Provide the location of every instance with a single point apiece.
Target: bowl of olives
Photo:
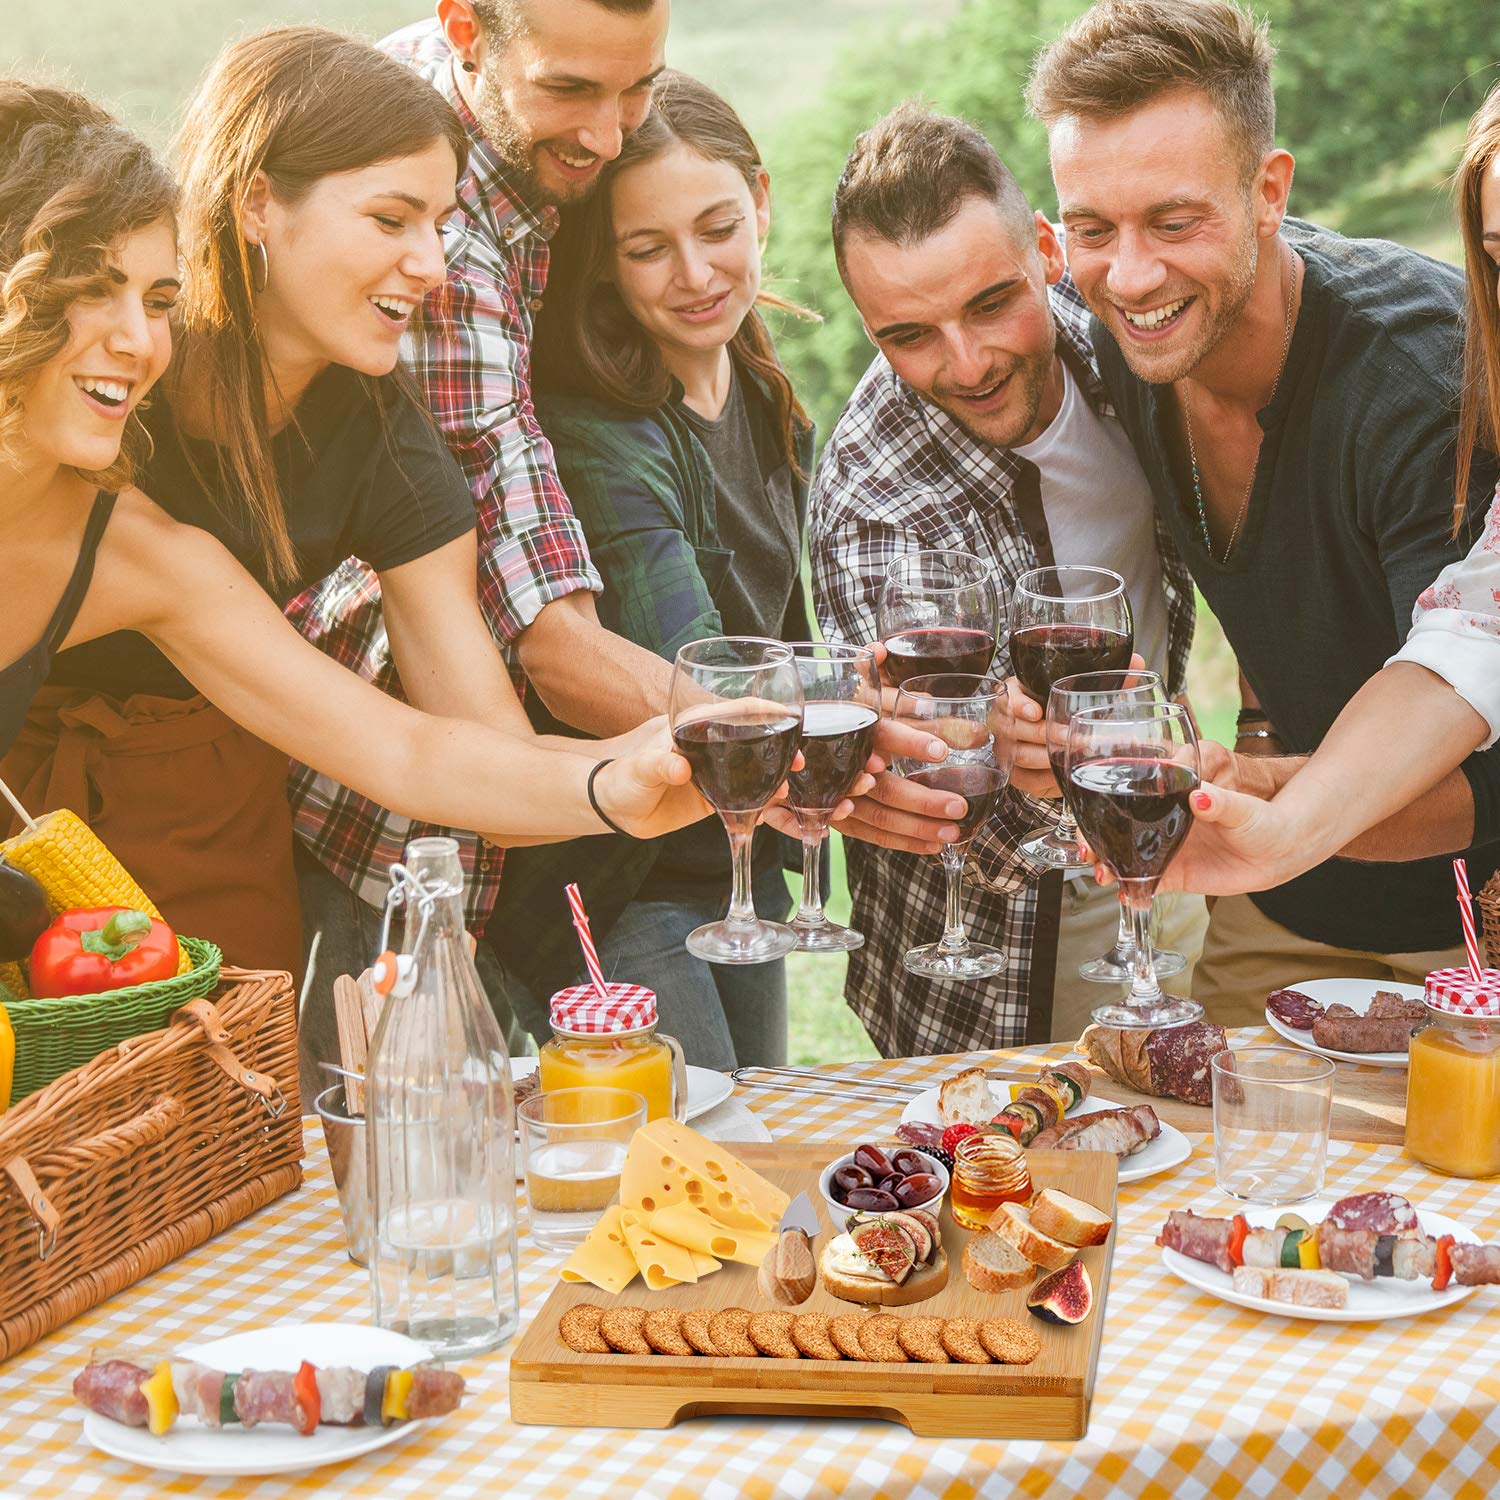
(882, 1179)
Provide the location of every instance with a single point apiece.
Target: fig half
(1065, 1296)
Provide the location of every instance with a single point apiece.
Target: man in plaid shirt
(981, 426)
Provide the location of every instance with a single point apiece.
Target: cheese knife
(789, 1272)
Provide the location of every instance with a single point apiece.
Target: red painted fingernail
(1202, 801)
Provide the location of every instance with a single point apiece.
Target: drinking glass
(572, 1149)
(1130, 771)
(938, 612)
(1068, 696)
(1065, 621)
(736, 712)
(971, 715)
(1272, 1107)
(841, 693)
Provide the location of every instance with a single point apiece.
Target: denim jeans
(725, 1015)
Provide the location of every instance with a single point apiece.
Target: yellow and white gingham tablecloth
(1194, 1397)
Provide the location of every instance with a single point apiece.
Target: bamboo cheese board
(551, 1384)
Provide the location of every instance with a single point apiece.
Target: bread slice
(967, 1099)
(922, 1283)
(1013, 1223)
(1301, 1288)
(992, 1264)
(1069, 1219)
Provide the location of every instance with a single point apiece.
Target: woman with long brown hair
(89, 274)
(685, 454)
(1438, 699)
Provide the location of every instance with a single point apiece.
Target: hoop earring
(259, 283)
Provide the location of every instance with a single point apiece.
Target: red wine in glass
(836, 742)
(919, 653)
(1044, 654)
(1134, 812)
(979, 786)
(739, 762)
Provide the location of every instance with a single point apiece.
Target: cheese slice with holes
(699, 1231)
(604, 1258)
(661, 1261)
(667, 1163)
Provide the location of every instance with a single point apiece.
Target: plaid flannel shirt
(899, 475)
(471, 357)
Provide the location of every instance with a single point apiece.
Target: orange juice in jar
(611, 1041)
(1453, 1079)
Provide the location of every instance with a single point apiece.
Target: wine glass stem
(741, 829)
(1066, 831)
(955, 938)
(810, 912)
(1137, 896)
(1124, 938)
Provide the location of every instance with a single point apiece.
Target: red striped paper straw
(586, 942)
(1466, 915)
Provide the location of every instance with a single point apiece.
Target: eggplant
(24, 916)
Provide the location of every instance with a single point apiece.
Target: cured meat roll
(1198, 1238)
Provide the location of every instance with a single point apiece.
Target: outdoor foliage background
(1372, 102)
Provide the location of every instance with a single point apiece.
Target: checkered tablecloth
(1194, 1397)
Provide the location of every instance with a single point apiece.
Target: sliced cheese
(667, 1163)
(702, 1263)
(690, 1226)
(604, 1258)
(661, 1261)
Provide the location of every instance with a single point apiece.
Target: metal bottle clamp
(396, 973)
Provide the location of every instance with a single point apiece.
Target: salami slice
(1293, 1008)
(1384, 1213)
(1179, 1058)
(914, 1133)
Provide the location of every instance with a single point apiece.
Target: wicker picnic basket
(1489, 917)
(123, 1164)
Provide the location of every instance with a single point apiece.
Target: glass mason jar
(988, 1169)
(1453, 1077)
(440, 1129)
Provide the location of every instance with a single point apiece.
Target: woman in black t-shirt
(87, 334)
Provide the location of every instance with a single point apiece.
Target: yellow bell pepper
(161, 1399)
(1307, 1252)
(7, 1059)
(397, 1393)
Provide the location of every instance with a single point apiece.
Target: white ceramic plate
(706, 1088)
(1170, 1149)
(1356, 994)
(192, 1448)
(1369, 1301)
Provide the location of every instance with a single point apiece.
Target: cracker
(663, 1331)
(878, 1339)
(621, 1327)
(1009, 1342)
(844, 1331)
(771, 1333)
(922, 1338)
(695, 1330)
(579, 1329)
(960, 1338)
(727, 1333)
(810, 1333)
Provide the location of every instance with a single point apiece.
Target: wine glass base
(826, 937)
(1114, 967)
(975, 962)
(1048, 852)
(1167, 1011)
(753, 943)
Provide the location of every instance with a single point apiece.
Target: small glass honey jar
(988, 1169)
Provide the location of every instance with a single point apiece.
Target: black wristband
(599, 812)
(1252, 716)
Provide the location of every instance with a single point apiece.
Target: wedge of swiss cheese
(667, 1163)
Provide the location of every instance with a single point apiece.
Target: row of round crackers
(737, 1333)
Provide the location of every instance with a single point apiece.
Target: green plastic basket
(55, 1036)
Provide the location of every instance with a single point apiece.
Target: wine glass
(1130, 770)
(841, 690)
(1064, 621)
(736, 712)
(972, 716)
(1068, 696)
(938, 612)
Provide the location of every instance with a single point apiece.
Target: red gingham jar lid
(578, 1009)
(1455, 993)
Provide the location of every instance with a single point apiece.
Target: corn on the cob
(75, 870)
(13, 978)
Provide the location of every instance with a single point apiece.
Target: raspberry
(954, 1134)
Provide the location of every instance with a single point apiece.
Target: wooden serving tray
(550, 1384)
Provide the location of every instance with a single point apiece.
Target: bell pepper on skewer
(1442, 1271)
(1238, 1235)
(161, 1399)
(397, 1394)
(309, 1398)
(101, 948)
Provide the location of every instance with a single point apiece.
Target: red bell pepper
(1442, 1271)
(1239, 1232)
(103, 948)
(309, 1399)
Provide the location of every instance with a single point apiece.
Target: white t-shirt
(1099, 510)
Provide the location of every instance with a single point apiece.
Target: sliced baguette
(1013, 1223)
(1301, 1288)
(992, 1264)
(967, 1099)
(1069, 1219)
